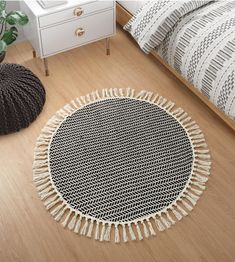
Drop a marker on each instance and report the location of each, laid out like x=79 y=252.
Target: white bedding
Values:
x=197 y=38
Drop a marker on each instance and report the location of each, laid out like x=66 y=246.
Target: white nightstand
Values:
x=79 y=22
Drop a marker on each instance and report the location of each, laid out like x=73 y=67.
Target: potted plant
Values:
x=8 y=27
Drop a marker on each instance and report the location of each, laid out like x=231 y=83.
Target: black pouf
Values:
x=22 y=97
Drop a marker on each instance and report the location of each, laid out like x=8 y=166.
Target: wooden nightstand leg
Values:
x=107 y=40
x=45 y=61
x=34 y=54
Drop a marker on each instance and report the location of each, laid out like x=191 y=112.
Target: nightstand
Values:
x=64 y=27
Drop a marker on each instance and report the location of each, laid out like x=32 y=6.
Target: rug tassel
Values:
x=146 y=232
x=195 y=126
x=187 y=205
x=83 y=100
x=60 y=214
x=44 y=191
x=191 y=200
x=206 y=173
x=170 y=218
x=65 y=222
x=38 y=163
x=97 y=230
x=124 y=234
x=128 y=92
x=140 y=236
x=88 y=98
x=72 y=223
x=41 y=181
x=185 y=121
x=190 y=123
x=201 y=145
x=78 y=225
x=53 y=203
x=198 y=192
x=203 y=156
x=121 y=92
x=102 y=232
x=39 y=171
x=46 y=195
x=199 y=178
x=182 y=116
x=132 y=234
x=38 y=156
x=177 y=111
x=47 y=202
x=140 y=94
x=111 y=92
x=84 y=228
x=159 y=224
x=106 y=93
x=73 y=103
x=116 y=235
x=165 y=222
x=40 y=177
x=90 y=229
x=151 y=230
x=196 y=141
x=197 y=137
x=132 y=95
x=164 y=100
x=150 y=94
x=177 y=214
x=107 y=233
x=79 y=102
x=202 y=151
x=195 y=132
x=193 y=196
x=159 y=100
x=55 y=211
x=115 y=91
x=199 y=185
x=154 y=98
x=182 y=211
x=203 y=168
x=171 y=105
x=97 y=95
x=40 y=188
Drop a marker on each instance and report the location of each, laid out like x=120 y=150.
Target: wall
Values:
x=15 y=5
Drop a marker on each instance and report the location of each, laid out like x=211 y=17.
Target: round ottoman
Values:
x=22 y=97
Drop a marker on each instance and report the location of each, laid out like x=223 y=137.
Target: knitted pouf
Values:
x=22 y=97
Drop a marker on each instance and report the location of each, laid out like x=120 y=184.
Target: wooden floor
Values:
x=27 y=231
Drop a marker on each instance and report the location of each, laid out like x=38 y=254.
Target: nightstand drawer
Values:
x=63 y=37
x=75 y=12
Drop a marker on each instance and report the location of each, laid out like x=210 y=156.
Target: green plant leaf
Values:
x=2 y=4
x=3 y=14
x=3 y=46
x=10 y=35
x=17 y=18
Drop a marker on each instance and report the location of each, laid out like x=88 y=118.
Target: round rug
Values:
x=116 y=159
x=22 y=97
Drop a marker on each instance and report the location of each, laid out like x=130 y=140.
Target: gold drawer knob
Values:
x=78 y=11
x=79 y=32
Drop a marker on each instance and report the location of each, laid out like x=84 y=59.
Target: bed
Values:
x=195 y=40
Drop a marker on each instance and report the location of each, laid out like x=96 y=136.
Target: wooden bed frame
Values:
x=123 y=16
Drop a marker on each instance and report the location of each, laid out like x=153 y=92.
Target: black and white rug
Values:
x=116 y=159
